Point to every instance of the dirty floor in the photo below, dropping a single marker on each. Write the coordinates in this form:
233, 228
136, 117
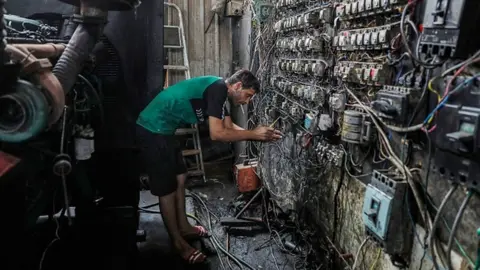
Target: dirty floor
256, 250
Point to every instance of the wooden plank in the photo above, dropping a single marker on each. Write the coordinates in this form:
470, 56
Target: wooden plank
226, 47
196, 48
210, 38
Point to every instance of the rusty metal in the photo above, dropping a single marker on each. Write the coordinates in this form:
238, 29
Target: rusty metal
45, 77
42, 50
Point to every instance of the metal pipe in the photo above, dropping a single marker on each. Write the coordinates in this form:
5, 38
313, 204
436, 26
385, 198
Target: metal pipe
42, 50
79, 47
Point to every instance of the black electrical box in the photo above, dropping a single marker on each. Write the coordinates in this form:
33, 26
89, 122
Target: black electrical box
395, 104
457, 135
450, 28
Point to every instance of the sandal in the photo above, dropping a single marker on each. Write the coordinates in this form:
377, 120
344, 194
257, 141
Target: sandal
200, 232
195, 257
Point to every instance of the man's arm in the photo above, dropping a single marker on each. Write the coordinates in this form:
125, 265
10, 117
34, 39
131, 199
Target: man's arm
229, 124
219, 131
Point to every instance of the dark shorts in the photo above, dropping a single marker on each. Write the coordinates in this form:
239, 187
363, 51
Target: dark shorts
161, 158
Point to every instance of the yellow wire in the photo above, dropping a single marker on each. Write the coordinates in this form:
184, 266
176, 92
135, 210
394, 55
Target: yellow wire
376, 259
430, 87
439, 97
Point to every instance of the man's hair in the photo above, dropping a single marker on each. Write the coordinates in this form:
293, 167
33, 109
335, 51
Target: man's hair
247, 79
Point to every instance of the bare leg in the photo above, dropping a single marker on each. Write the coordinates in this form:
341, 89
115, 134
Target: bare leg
168, 209
183, 224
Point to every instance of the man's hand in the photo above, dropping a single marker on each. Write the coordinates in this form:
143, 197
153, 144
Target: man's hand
267, 134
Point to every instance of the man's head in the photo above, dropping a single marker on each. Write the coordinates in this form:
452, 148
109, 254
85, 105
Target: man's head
242, 86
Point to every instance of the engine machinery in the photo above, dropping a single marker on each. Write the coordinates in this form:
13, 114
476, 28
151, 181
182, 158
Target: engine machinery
62, 82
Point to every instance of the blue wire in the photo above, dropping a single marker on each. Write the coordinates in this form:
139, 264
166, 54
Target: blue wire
442, 103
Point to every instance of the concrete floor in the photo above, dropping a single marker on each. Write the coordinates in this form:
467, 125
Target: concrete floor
156, 250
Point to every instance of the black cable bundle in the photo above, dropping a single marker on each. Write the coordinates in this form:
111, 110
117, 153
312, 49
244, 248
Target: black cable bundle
3, 32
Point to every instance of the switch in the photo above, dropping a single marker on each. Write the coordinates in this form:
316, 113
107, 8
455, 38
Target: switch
348, 9
354, 8
300, 92
372, 213
374, 38
340, 11
374, 74
361, 6
360, 39
368, 4
366, 39
353, 39
335, 41
382, 36
440, 11
463, 139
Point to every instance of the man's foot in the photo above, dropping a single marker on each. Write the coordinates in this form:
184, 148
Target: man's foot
189, 254
194, 232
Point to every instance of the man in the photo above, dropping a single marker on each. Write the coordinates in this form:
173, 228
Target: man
190, 101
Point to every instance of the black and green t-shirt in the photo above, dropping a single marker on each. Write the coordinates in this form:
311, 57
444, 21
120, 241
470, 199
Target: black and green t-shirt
187, 102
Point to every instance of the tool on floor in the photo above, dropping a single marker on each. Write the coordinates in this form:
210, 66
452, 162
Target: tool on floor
245, 225
175, 40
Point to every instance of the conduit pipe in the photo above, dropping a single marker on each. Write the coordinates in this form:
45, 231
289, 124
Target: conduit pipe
81, 44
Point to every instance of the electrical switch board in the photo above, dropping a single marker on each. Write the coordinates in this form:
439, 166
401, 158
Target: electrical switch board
374, 38
395, 104
301, 44
385, 215
310, 18
313, 67
290, 3
457, 134
450, 28
307, 93
366, 73
351, 9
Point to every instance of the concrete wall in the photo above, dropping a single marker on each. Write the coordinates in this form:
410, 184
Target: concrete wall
209, 47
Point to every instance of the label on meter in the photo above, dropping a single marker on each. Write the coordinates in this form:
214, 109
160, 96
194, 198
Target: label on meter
7, 162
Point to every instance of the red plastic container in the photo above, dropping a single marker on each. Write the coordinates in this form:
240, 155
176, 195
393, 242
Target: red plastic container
247, 178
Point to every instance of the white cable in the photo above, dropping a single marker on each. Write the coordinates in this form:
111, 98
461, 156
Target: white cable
359, 251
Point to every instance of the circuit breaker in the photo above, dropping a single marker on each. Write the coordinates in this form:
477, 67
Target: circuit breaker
395, 104
384, 214
457, 134
448, 28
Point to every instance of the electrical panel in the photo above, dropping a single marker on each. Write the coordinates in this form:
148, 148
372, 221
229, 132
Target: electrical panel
374, 38
362, 81
301, 44
364, 8
314, 67
384, 214
447, 28
368, 73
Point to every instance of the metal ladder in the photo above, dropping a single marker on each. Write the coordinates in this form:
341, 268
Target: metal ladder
174, 39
